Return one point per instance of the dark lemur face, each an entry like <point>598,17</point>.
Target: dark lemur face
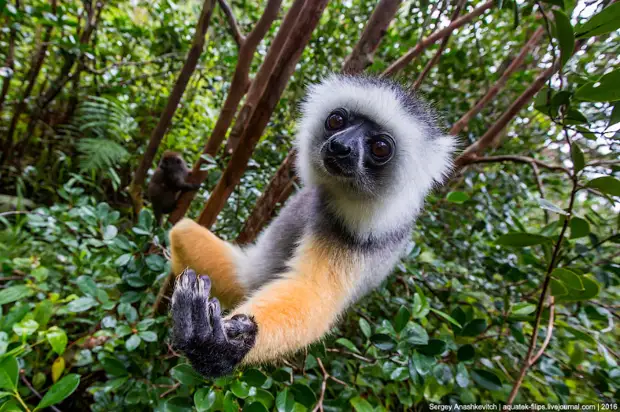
<point>355,152</point>
<point>355,146</point>
<point>172,162</point>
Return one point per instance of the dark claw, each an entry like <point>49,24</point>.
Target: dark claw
<point>214,346</point>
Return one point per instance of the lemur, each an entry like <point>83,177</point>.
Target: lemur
<point>368,153</point>
<point>167,184</point>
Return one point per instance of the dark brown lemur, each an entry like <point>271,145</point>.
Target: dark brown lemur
<point>168,183</point>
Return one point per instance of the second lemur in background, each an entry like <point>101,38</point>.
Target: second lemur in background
<point>368,153</point>
<point>168,183</point>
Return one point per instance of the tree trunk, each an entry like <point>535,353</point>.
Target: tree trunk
<point>10,62</point>
<point>258,118</point>
<point>362,54</point>
<point>238,88</point>
<point>271,60</point>
<point>135,188</point>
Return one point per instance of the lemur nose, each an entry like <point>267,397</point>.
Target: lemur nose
<point>338,149</point>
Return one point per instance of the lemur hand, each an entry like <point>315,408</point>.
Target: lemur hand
<point>214,346</point>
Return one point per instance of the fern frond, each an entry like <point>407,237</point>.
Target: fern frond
<point>99,154</point>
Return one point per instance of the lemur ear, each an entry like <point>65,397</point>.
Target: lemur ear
<point>441,157</point>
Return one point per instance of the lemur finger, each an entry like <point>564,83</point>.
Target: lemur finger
<point>241,327</point>
<point>215,314</point>
<point>182,307</point>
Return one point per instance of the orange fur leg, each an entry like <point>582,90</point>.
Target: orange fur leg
<point>196,247</point>
<point>299,308</point>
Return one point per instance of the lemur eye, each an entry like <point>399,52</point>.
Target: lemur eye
<point>336,120</point>
<point>381,149</point>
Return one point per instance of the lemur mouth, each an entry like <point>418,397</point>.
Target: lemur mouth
<point>334,168</point>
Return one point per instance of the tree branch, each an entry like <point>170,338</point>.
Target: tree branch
<point>549,331</point>
<point>442,47</point>
<point>376,27</point>
<point>135,188</point>
<point>517,159</point>
<point>232,22</point>
<point>436,36</point>
<point>238,88</point>
<point>252,125</point>
<point>501,82</point>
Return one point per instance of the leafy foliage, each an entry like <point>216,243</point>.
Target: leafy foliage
<point>454,322</point>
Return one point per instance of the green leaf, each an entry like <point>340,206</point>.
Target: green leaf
<point>110,232</point>
<point>347,344</point>
<point>466,352</point>
<point>25,328</point>
<point>545,204</point>
<point>576,154</point>
<point>415,334</point>
<point>9,371</point>
<point>383,341</point>
<point>615,114</point>
<point>446,317</point>
<point>57,338</point>
<point>254,377</point>
<point>254,407</point>
<point>401,318</point>
<point>590,290</point>
<point>579,228</point>
<point>568,278</point>
<point>606,89</point>
<point>522,239</point>
<point>365,327</point>
<point>422,363</point>
<point>59,391</point>
<point>462,376</point>
<point>14,293</point>
<point>185,374</point>
<point>285,402</point>
<point>586,337</point>
<point>474,328</point>
<point>434,347</point>
<point>606,21</point>
<point>87,285</point>
<point>565,35</point>
<point>303,394</point>
<point>148,336</point>
<point>606,184</point>
<point>361,405</point>
<point>457,197</point>
<point>132,343</point>
<point>558,288</point>
<point>81,304</point>
<point>240,389</point>
<point>487,380</point>
<point>523,308</point>
<point>114,366</point>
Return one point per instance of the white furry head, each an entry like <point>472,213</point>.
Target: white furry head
<point>422,154</point>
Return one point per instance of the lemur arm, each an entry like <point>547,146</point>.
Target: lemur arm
<point>283,316</point>
<point>298,309</point>
<point>180,183</point>
<point>195,247</point>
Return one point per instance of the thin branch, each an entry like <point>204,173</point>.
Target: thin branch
<point>355,355</point>
<point>232,22</point>
<point>442,47</point>
<point>326,377</point>
<point>436,36</point>
<point>528,361</point>
<point>501,82</point>
<point>22,375</point>
<point>169,391</point>
<point>549,332</point>
<point>115,65</point>
<point>517,159</point>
